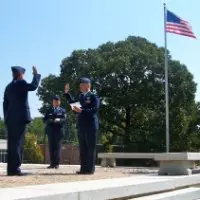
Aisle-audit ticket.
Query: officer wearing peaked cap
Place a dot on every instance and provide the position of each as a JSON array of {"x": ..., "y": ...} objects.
[
  {"x": 88, "y": 124},
  {"x": 54, "y": 120},
  {"x": 17, "y": 115}
]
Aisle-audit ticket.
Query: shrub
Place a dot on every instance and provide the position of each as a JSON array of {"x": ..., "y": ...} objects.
[
  {"x": 32, "y": 151},
  {"x": 106, "y": 144}
]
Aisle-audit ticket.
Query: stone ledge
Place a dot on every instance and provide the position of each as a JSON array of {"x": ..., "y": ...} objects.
[
  {"x": 176, "y": 163},
  {"x": 99, "y": 189},
  {"x": 127, "y": 155},
  {"x": 177, "y": 156}
]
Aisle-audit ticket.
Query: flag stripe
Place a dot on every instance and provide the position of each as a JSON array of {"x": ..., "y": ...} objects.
[
  {"x": 182, "y": 33},
  {"x": 179, "y": 25},
  {"x": 179, "y": 29}
]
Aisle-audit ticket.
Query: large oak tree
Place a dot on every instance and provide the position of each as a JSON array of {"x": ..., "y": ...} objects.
[{"x": 129, "y": 78}]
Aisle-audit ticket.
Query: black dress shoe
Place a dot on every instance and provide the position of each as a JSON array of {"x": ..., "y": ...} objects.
[
  {"x": 21, "y": 174},
  {"x": 84, "y": 173},
  {"x": 56, "y": 167},
  {"x": 17, "y": 174},
  {"x": 50, "y": 167},
  {"x": 79, "y": 172},
  {"x": 89, "y": 173}
]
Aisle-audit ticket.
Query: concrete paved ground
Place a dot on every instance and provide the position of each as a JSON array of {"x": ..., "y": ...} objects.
[{"x": 40, "y": 175}]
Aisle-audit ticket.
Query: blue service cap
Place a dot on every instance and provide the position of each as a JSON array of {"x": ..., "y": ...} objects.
[
  {"x": 56, "y": 97},
  {"x": 18, "y": 69},
  {"x": 85, "y": 80}
]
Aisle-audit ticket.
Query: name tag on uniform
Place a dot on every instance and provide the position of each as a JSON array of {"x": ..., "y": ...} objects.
[{"x": 88, "y": 100}]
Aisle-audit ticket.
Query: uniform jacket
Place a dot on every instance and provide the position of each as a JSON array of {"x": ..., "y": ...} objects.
[
  {"x": 15, "y": 103},
  {"x": 90, "y": 104},
  {"x": 52, "y": 125}
]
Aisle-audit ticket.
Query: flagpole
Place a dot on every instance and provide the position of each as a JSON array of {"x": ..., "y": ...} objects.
[{"x": 166, "y": 82}]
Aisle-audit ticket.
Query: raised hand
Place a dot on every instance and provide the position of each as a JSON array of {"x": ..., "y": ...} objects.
[
  {"x": 34, "y": 70},
  {"x": 67, "y": 88}
]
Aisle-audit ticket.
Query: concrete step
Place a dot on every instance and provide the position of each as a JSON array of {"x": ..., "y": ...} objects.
[
  {"x": 182, "y": 194},
  {"x": 104, "y": 189}
]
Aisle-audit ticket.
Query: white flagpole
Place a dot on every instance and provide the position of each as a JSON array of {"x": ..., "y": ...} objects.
[{"x": 166, "y": 82}]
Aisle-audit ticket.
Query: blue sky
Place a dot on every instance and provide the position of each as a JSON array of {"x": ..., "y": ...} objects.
[{"x": 43, "y": 32}]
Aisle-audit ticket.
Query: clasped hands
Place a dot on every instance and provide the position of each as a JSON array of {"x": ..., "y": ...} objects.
[{"x": 55, "y": 120}]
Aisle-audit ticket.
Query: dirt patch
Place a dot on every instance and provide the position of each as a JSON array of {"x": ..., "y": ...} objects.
[{"x": 38, "y": 174}]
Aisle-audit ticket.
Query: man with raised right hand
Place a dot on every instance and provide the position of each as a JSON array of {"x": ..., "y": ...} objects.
[
  {"x": 88, "y": 124},
  {"x": 17, "y": 116}
]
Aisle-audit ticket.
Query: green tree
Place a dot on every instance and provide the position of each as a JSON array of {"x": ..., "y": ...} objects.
[
  {"x": 37, "y": 128},
  {"x": 2, "y": 129},
  {"x": 129, "y": 78}
]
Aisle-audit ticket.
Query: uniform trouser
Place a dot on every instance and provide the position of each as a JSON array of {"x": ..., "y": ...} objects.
[
  {"x": 16, "y": 135},
  {"x": 87, "y": 145},
  {"x": 55, "y": 142}
]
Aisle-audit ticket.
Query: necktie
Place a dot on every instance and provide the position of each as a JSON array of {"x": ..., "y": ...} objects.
[{"x": 55, "y": 110}]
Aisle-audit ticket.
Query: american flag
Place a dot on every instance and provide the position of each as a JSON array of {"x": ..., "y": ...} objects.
[{"x": 175, "y": 24}]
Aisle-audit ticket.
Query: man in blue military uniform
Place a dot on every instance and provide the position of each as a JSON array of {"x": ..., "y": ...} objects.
[
  {"x": 54, "y": 120},
  {"x": 87, "y": 123},
  {"x": 17, "y": 116}
]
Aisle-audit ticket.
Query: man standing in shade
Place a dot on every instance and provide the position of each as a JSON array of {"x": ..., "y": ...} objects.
[
  {"x": 87, "y": 124},
  {"x": 17, "y": 116}
]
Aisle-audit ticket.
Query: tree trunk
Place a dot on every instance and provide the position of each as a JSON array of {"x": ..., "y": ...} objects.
[{"x": 128, "y": 126}]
